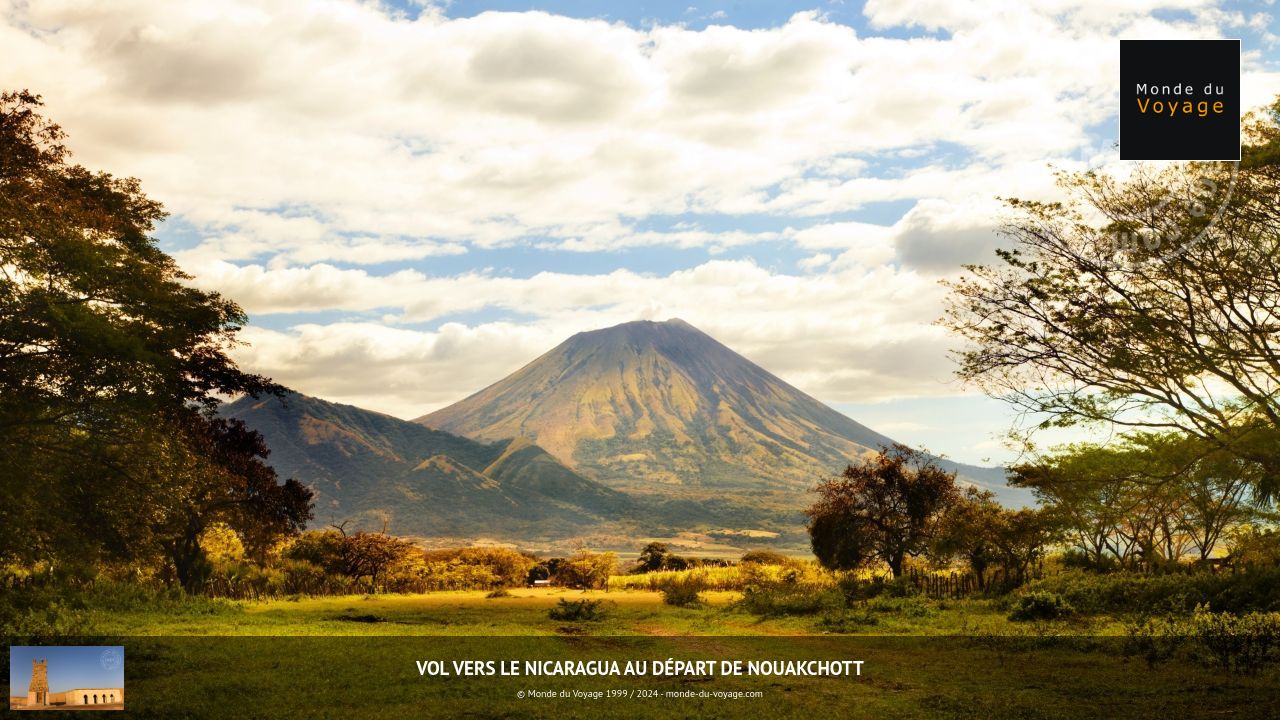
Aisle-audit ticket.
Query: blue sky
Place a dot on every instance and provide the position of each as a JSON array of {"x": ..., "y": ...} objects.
[
  {"x": 70, "y": 667},
  {"x": 412, "y": 200}
]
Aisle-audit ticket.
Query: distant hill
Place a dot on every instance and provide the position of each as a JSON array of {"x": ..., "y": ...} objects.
[
  {"x": 366, "y": 467},
  {"x": 663, "y": 409}
]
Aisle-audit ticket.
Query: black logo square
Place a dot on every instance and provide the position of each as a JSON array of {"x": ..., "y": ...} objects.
[{"x": 1179, "y": 99}]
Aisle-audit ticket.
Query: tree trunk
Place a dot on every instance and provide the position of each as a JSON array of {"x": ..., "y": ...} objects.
[
  {"x": 895, "y": 564},
  {"x": 186, "y": 553}
]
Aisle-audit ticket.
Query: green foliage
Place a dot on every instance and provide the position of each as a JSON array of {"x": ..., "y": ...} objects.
[
  {"x": 1144, "y": 501},
  {"x": 655, "y": 556},
  {"x": 779, "y": 600},
  {"x": 113, "y": 364},
  {"x": 1256, "y": 589},
  {"x": 342, "y": 560},
  {"x": 1253, "y": 546},
  {"x": 766, "y": 557},
  {"x": 1155, "y": 638},
  {"x": 496, "y": 594},
  {"x": 1238, "y": 643},
  {"x": 1108, "y": 307},
  {"x": 847, "y": 621},
  {"x": 578, "y": 611},
  {"x": 789, "y": 590},
  {"x": 587, "y": 570},
  {"x": 221, "y": 544},
  {"x": 684, "y": 591},
  {"x": 1039, "y": 605},
  {"x": 908, "y": 606},
  {"x": 898, "y": 588}
]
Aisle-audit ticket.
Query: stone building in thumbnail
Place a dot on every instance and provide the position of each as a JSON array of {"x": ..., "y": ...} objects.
[{"x": 38, "y": 695}]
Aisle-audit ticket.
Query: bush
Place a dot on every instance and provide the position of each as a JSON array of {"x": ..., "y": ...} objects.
[
  {"x": 1237, "y": 643},
  {"x": 1254, "y": 590},
  {"x": 1156, "y": 639},
  {"x": 577, "y": 611},
  {"x": 683, "y": 591},
  {"x": 899, "y": 587},
  {"x": 1040, "y": 606},
  {"x": 499, "y": 593},
  {"x": 587, "y": 570},
  {"x": 844, "y": 621},
  {"x": 766, "y": 557},
  {"x": 772, "y": 600},
  {"x": 915, "y": 606},
  {"x": 1251, "y": 546}
]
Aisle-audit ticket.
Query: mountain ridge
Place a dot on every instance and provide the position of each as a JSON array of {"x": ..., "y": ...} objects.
[
  {"x": 370, "y": 467},
  {"x": 663, "y": 408}
]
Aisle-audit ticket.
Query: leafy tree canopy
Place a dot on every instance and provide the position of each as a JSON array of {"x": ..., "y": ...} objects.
[
  {"x": 111, "y": 367},
  {"x": 883, "y": 510}
]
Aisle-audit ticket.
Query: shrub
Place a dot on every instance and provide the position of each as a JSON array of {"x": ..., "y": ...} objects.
[
  {"x": 845, "y": 621},
  {"x": 499, "y": 593},
  {"x": 577, "y": 611},
  {"x": 765, "y": 557},
  {"x": 1235, "y": 643},
  {"x": 1238, "y": 643},
  {"x": 1252, "y": 546},
  {"x": 914, "y": 606},
  {"x": 683, "y": 591},
  {"x": 1156, "y": 639},
  {"x": 587, "y": 570},
  {"x": 772, "y": 600},
  {"x": 899, "y": 587},
  {"x": 1038, "y": 605},
  {"x": 1256, "y": 589}
]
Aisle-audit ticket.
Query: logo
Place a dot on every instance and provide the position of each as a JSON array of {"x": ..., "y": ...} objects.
[
  {"x": 1180, "y": 100},
  {"x": 110, "y": 659}
]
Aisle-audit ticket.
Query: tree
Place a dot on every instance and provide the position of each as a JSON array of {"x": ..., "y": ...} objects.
[
  {"x": 370, "y": 554},
  {"x": 1161, "y": 316},
  {"x": 587, "y": 570},
  {"x": 1020, "y": 537},
  {"x": 111, "y": 368},
  {"x": 1216, "y": 489},
  {"x": 968, "y": 529},
  {"x": 216, "y": 475},
  {"x": 1147, "y": 498},
  {"x": 654, "y": 556},
  {"x": 986, "y": 535},
  {"x": 885, "y": 510},
  {"x": 1092, "y": 493}
]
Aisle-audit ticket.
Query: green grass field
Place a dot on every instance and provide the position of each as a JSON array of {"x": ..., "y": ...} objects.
[
  {"x": 354, "y": 657},
  {"x": 627, "y": 612}
]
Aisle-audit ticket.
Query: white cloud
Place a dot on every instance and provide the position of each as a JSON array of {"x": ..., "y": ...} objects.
[
  {"x": 300, "y": 139},
  {"x": 501, "y": 127},
  {"x": 856, "y": 335}
]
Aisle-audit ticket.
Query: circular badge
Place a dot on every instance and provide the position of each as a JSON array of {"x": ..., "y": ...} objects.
[{"x": 110, "y": 659}]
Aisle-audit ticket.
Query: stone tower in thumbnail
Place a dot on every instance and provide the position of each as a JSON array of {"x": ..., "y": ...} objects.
[{"x": 38, "y": 692}]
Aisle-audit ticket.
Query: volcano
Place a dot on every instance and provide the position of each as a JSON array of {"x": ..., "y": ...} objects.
[{"x": 662, "y": 408}]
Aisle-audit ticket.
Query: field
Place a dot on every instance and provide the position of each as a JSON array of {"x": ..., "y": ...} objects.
[
  {"x": 316, "y": 657},
  {"x": 525, "y": 613}
]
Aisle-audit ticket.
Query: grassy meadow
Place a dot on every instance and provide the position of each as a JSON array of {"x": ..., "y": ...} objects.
[
  {"x": 353, "y": 655},
  {"x": 525, "y": 612}
]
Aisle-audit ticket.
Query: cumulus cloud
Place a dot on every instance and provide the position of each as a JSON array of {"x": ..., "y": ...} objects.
[
  {"x": 500, "y": 127},
  {"x": 858, "y": 334},
  {"x": 306, "y": 144}
]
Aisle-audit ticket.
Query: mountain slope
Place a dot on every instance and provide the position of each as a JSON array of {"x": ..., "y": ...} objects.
[
  {"x": 663, "y": 408},
  {"x": 367, "y": 467}
]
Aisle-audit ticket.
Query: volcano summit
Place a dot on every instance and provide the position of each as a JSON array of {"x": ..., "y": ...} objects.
[{"x": 662, "y": 408}]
